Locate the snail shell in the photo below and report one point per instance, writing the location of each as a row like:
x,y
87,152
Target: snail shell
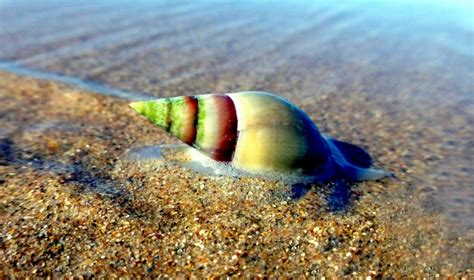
x,y
256,132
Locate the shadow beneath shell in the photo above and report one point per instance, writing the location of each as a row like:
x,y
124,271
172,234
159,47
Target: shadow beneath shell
x,y
339,199
339,194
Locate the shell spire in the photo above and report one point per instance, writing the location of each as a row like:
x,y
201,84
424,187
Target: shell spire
x,y
176,115
206,122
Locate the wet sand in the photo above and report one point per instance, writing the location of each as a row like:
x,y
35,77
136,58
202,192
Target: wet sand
x,y
75,203
393,79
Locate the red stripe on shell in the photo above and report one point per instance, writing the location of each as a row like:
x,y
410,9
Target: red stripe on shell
x,y
189,126
227,127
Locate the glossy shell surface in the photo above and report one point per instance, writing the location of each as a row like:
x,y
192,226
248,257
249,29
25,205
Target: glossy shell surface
x,y
253,131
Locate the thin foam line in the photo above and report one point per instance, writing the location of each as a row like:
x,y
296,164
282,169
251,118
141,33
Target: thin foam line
x,y
76,82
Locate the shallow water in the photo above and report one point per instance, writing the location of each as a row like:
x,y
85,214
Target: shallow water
x,y
394,77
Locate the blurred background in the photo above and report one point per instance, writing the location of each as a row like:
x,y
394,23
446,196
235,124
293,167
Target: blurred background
x,y
176,48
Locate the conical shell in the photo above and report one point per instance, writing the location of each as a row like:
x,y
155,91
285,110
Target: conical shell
x,y
253,131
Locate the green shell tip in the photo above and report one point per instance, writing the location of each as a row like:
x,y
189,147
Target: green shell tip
x,y
156,111
138,106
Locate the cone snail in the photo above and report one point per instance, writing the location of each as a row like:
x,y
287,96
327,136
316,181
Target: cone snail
x,y
258,132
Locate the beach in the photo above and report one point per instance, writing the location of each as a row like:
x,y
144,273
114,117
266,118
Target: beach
x,y
72,206
76,200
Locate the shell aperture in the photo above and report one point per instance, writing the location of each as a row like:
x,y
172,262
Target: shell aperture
x,y
255,132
